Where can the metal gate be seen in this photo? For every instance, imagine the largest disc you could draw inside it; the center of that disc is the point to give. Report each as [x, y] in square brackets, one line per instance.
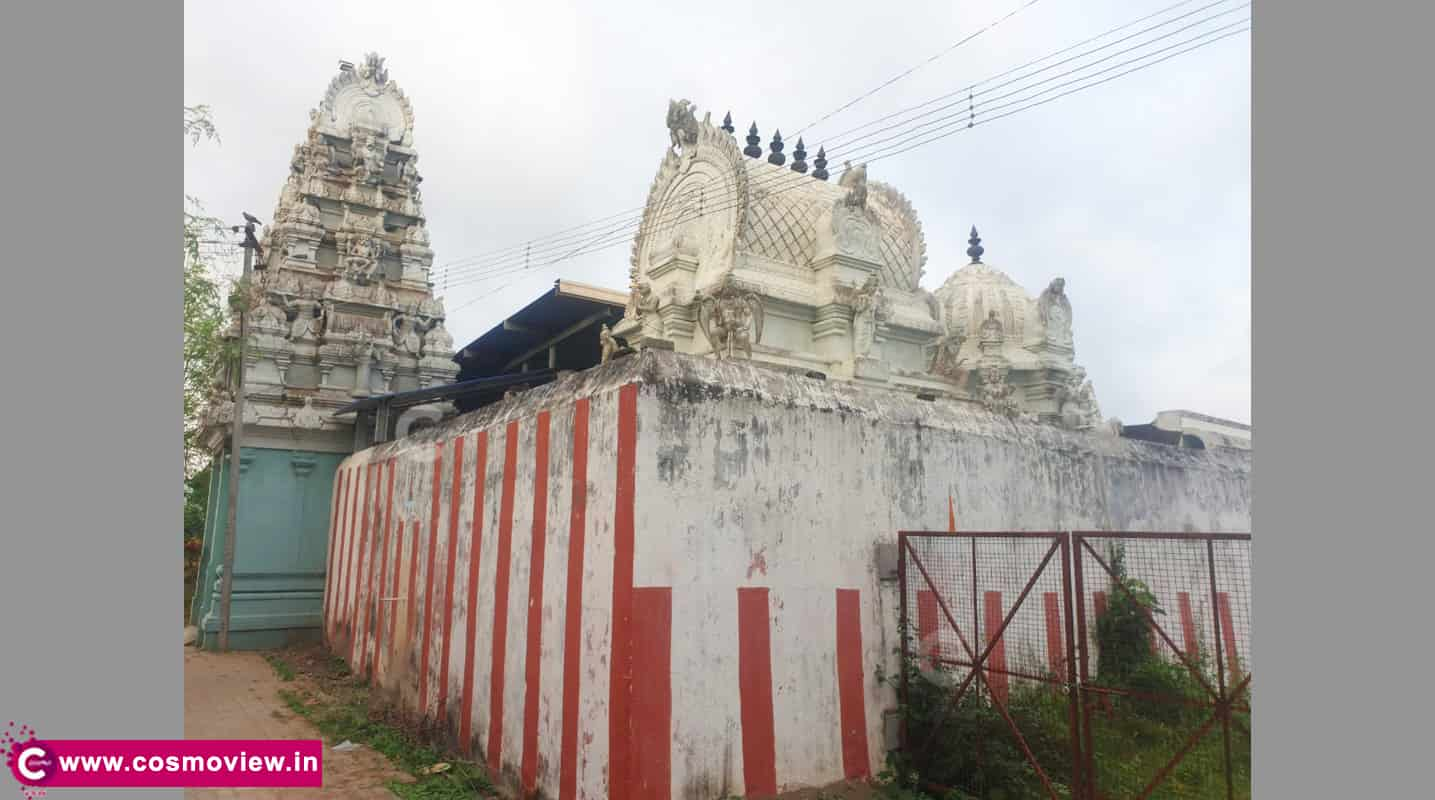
[1076, 665]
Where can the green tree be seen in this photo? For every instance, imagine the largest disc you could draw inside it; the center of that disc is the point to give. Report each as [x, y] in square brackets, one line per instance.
[204, 320]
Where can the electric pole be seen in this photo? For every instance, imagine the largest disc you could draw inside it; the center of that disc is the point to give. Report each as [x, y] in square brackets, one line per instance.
[236, 435]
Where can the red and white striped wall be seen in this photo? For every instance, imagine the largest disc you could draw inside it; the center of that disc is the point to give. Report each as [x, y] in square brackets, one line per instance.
[615, 588]
[499, 581]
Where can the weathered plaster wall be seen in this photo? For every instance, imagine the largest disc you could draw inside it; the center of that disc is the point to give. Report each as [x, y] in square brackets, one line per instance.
[720, 629]
[279, 576]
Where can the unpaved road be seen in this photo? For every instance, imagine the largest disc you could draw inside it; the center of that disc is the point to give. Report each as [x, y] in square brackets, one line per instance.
[236, 696]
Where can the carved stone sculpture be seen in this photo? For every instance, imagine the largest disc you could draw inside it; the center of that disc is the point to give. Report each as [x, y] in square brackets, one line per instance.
[268, 318]
[609, 344]
[996, 393]
[369, 152]
[307, 416]
[866, 310]
[731, 319]
[945, 361]
[991, 330]
[854, 180]
[308, 321]
[682, 124]
[361, 259]
[647, 307]
[1054, 310]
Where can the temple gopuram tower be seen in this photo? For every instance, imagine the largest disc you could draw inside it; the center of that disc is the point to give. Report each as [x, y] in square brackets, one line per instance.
[340, 307]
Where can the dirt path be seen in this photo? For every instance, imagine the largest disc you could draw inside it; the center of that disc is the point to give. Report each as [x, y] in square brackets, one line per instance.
[235, 696]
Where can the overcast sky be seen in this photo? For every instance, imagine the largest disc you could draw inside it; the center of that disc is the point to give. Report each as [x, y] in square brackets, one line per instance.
[532, 117]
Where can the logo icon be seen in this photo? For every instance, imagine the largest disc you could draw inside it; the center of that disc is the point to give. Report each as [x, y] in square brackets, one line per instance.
[30, 760]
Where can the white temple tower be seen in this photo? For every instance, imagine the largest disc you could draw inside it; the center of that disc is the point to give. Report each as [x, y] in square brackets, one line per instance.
[341, 307]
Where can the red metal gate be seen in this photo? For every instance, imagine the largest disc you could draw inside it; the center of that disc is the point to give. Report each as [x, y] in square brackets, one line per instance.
[1089, 691]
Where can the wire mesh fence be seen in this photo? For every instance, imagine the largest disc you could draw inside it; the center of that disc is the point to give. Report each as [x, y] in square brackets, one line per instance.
[1082, 665]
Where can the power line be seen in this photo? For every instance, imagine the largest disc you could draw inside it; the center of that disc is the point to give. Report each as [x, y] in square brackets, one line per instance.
[989, 26]
[971, 94]
[969, 116]
[916, 67]
[579, 232]
[1025, 104]
[1066, 49]
[502, 265]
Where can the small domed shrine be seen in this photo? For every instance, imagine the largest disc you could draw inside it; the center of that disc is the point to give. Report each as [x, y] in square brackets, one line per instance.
[741, 256]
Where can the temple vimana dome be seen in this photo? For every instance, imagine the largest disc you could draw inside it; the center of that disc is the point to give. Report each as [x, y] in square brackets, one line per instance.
[746, 252]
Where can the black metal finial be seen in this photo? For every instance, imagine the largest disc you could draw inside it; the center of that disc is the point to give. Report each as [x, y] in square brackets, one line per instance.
[820, 173]
[976, 249]
[777, 157]
[754, 143]
[727, 122]
[799, 157]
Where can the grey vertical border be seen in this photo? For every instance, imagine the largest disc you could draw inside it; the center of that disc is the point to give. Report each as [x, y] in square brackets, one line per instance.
[90, 576]
[1342, 218]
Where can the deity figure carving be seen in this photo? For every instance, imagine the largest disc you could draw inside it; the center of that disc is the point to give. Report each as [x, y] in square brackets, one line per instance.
[945, 361]
[406, 336]
[372, 75]
[648, 303]
[282, 281]
[1054, 309]
[608, 343]
[307, 417]
[306, 214]
[268, 318]
[996, 393]
[308, 319]
[219, 404]
[361, 259]
[867, 307]
[369, 151]
[991, 329]
[682, 124]
[854, 180]
[289, 196]
[731, 319]
[313, 178]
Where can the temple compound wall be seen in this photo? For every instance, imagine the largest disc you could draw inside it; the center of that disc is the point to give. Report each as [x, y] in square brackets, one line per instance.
[659, 577]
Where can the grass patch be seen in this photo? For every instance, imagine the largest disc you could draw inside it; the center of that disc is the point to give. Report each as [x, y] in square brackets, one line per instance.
[341, 709]
[281, 667]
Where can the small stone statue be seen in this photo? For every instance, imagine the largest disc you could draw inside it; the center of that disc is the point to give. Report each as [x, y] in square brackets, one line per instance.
[854, 180]
[731, 319]
[307, 417]
[608, 343]
[991, 330]
[866, 303]
[682, 124]
[1054, 309]
[944, 355]
[996, 393]
[648, 303]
